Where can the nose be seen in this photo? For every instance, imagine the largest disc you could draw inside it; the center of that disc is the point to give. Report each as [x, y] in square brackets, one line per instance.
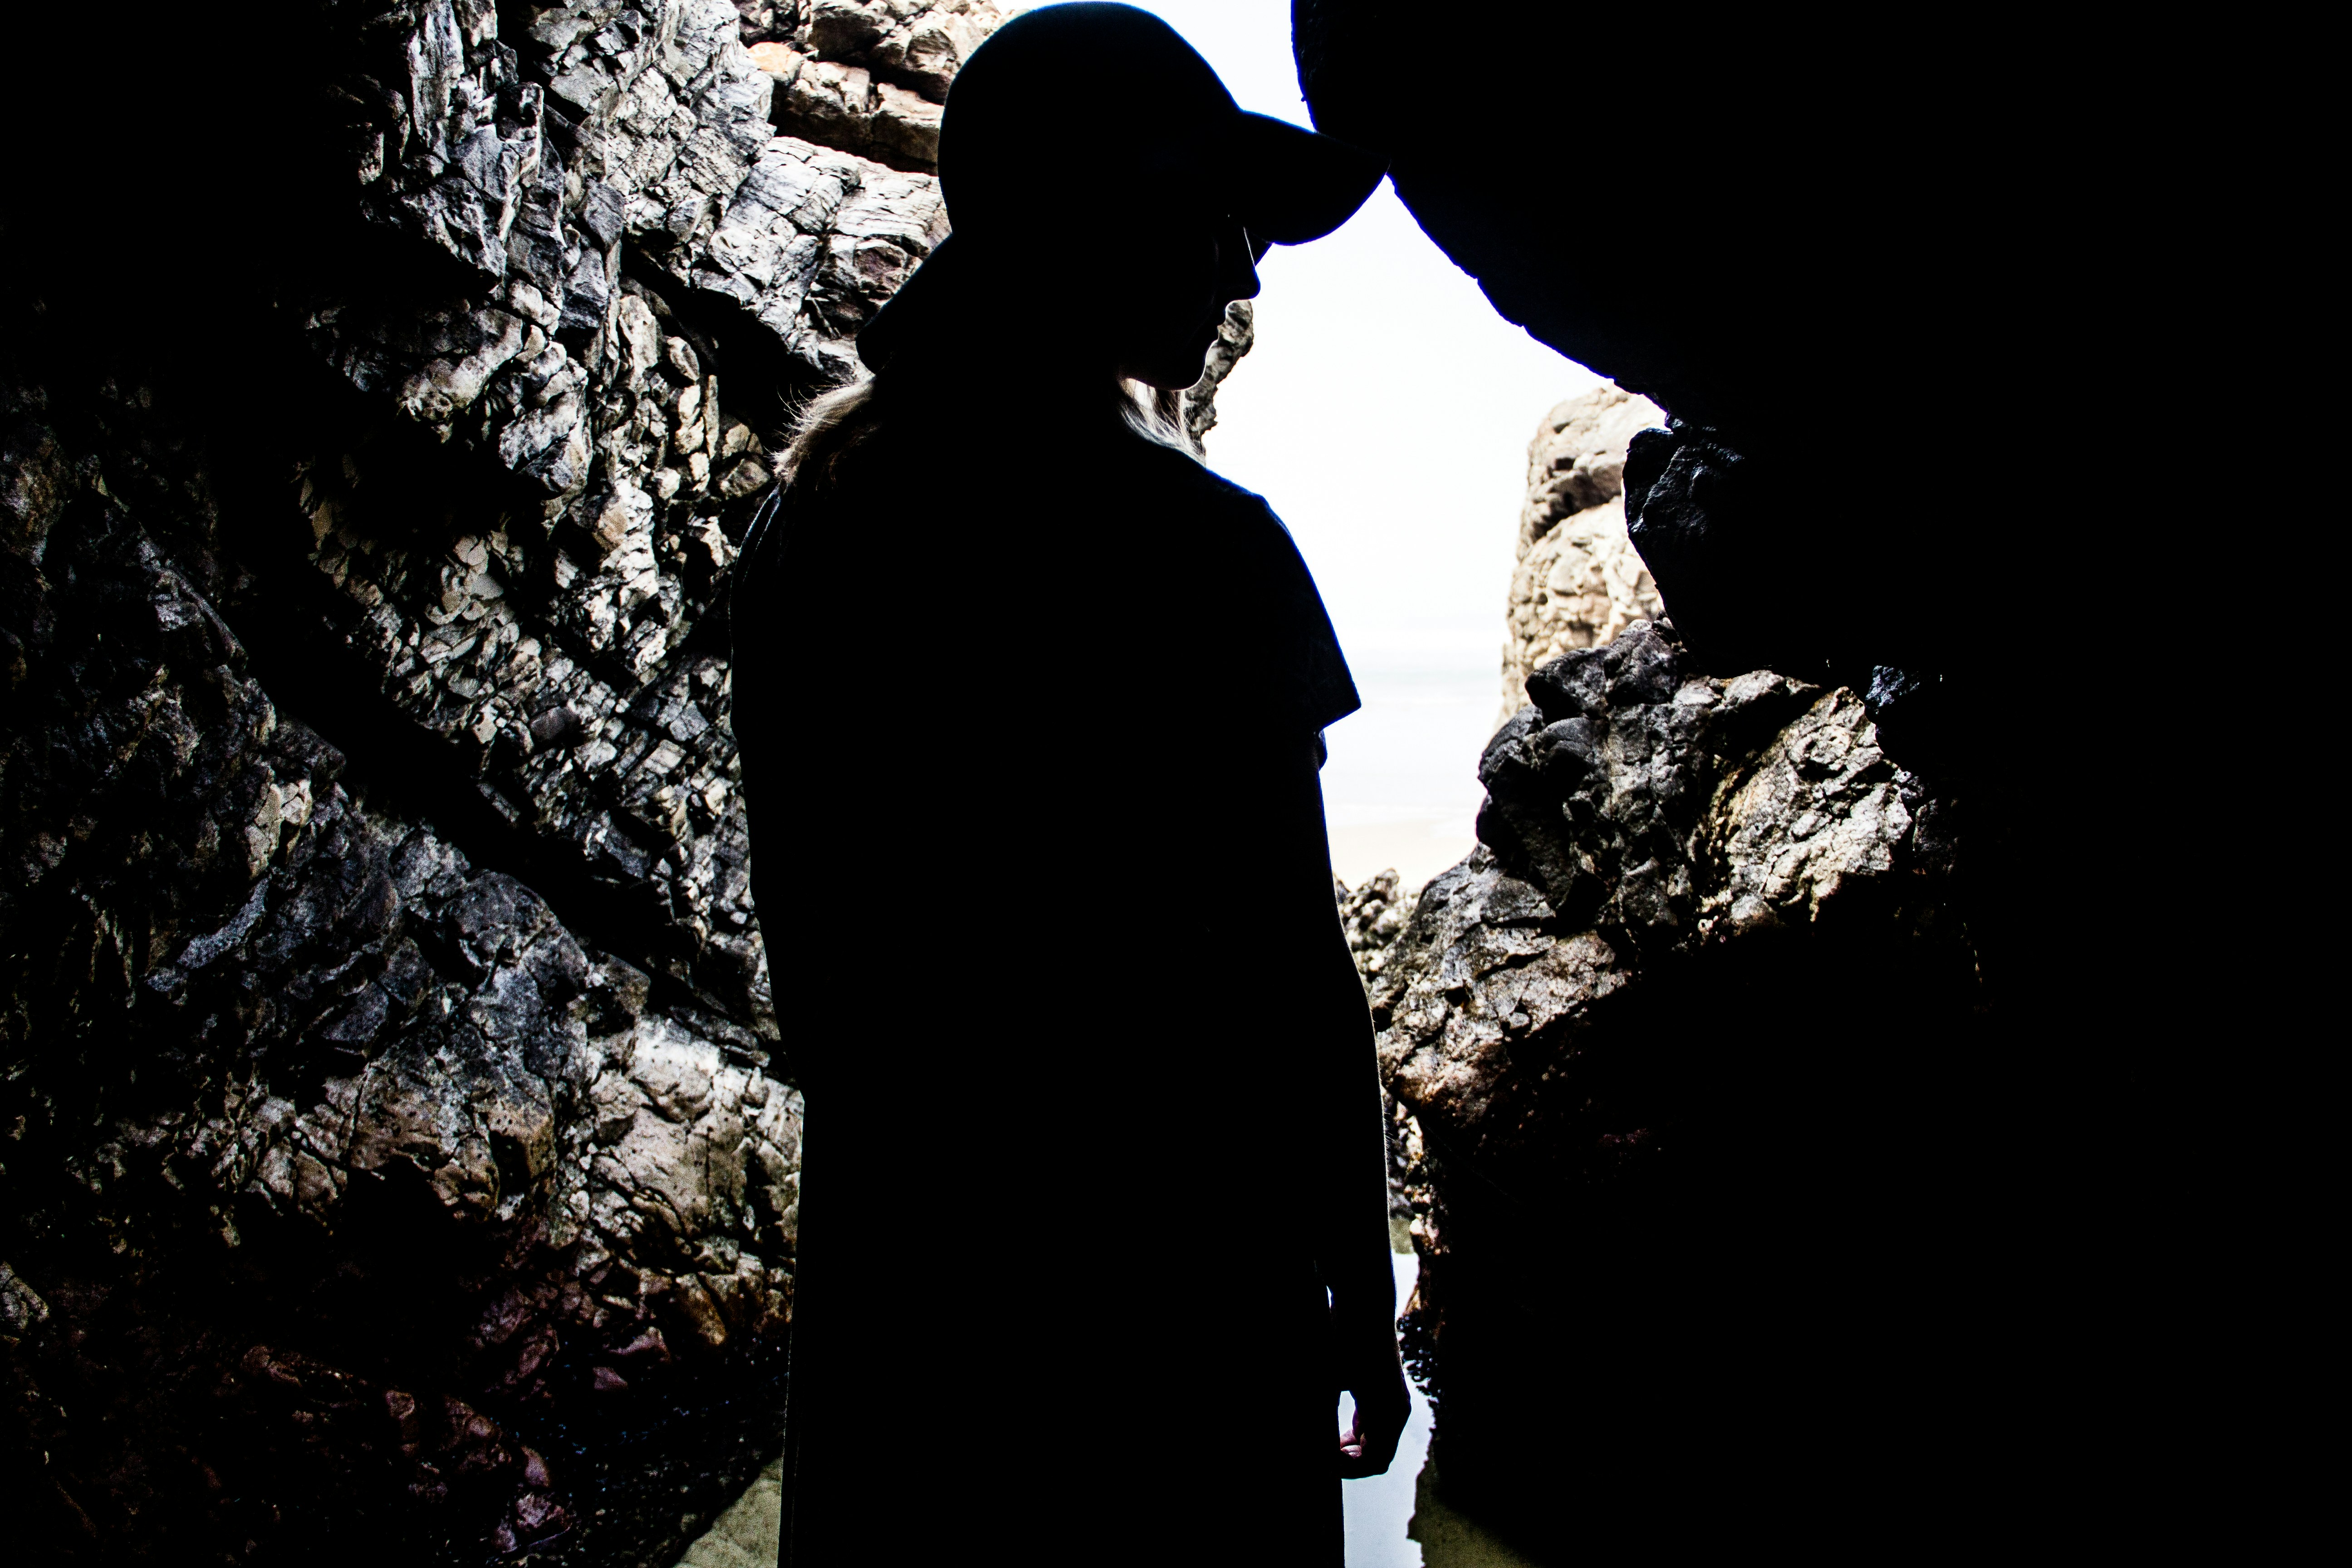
[1237, 255]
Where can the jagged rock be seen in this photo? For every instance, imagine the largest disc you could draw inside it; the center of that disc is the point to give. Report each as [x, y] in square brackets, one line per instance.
[1579, 581]
[812, 243]
[1235, 334]
[550, 638]
[870, 78]
[1841, 548]
[1635, 817]
[1605, 1036]
[1912, 277]
[344, 1182]
[765, 21]
[1371, 916]
[399, 1153]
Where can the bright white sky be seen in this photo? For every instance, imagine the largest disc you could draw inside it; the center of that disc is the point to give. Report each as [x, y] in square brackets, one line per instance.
[1385, 414]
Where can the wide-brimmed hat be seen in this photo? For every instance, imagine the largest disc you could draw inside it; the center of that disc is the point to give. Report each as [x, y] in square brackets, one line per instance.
[1068, 105]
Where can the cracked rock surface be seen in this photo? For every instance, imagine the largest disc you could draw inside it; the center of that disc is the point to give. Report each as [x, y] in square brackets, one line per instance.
[1579, 581]
[869, 76]
[1639, 1042]
[397, 1137]
[345, 1185]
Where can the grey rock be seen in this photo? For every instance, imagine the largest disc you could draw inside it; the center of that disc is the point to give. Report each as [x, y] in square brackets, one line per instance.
[252, 1021]
[586, 596]
[1373, 916]
[1640, 820]
[812, 243]
[1612, 1036]
[394, 1094]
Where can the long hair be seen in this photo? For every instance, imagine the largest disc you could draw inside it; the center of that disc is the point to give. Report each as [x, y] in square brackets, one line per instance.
[835, 422]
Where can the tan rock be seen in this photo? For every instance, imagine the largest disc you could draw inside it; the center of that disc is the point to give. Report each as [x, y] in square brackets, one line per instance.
[1579, 581]
[905, 128]
[780, 60]
[868, 76]
[748, 1535]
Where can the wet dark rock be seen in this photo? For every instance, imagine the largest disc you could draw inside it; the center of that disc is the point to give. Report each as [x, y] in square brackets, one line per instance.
[1900, 244]
[1703, 971]
[338, 1166]
[1373, 916]
[1838, 263]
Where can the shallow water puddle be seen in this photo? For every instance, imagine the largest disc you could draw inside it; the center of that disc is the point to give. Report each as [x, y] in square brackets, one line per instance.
[1378, 1508]
[1396, 1521]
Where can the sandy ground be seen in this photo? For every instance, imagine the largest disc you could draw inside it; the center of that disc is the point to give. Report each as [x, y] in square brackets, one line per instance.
[746, 1535]
[1416, 849]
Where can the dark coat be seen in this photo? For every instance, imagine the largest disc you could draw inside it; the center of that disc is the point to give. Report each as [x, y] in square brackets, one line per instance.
[1030, 738]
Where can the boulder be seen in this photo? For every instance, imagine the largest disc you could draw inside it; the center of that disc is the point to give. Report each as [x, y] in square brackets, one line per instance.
[1579, 581]
[1795, 195]
[1669, 1037]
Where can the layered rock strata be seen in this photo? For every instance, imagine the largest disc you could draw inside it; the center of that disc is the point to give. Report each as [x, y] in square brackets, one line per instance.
[1579, 581]
[868, 78]
[399, 1147]
[346, 1185]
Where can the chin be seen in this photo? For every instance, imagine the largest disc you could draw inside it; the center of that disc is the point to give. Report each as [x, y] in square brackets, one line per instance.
[1185, 371]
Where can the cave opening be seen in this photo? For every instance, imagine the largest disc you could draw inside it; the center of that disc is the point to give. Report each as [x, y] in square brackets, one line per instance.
[1801, 1058]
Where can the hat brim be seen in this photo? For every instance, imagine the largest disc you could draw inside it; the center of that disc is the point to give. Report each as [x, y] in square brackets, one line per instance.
[1291, 185]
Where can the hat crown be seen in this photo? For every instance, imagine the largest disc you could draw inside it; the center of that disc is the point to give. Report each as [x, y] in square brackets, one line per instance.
[1008, 140]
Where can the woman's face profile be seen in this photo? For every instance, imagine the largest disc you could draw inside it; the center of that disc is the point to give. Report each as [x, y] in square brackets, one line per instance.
[1170, 274]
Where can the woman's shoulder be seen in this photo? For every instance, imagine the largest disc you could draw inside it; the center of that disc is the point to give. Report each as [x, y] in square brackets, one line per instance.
[1215, 515]
[1186, 474]
[1254, 580]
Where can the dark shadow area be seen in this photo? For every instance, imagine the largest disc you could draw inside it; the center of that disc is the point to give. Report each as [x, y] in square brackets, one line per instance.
[1944, 230]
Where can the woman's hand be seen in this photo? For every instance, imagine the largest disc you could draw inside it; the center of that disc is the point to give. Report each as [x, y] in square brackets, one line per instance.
[1371, 1369]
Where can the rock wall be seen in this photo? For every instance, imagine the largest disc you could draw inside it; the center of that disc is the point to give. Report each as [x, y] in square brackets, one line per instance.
[1841, 551]
[1746, 266]
[397, 1138]
[345, 1182]
[1371, 916]
[1579, 581]
[1642, 1045]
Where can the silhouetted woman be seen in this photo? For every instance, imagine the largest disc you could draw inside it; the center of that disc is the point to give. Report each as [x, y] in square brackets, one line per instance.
[1094, 1218]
